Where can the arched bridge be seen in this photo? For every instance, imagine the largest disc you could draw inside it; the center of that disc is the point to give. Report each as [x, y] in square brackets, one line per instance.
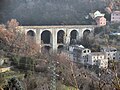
[56, 36]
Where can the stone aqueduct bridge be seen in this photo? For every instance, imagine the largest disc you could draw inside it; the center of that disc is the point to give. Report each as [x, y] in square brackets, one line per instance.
[56, 36]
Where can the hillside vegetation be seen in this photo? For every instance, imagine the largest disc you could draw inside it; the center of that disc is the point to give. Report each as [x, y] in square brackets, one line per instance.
[52, 12]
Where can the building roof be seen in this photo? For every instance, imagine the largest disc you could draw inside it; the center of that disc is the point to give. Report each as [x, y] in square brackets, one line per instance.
[97, 18]
[116, 12]
[97, 53]
[108, 49]
[79, 47]
[98, 14]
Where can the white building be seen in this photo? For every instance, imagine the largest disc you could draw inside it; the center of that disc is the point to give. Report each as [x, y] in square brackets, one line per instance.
[118, 55]
[79, 53]
[110, 52]
[115, 17]
[96, 14]
[98, 58]
[99, 18]
[85, 56]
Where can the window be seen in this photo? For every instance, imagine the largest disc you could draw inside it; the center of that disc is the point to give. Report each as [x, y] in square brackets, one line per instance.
[113, 58]
[114, 50]
[114, 54]
[74, 58]
[84, 51]
[87, 60]
[88, 50]
[97, 57]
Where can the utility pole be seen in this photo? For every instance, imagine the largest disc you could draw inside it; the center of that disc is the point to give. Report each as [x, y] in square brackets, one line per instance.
[53, 76]
[52, 68]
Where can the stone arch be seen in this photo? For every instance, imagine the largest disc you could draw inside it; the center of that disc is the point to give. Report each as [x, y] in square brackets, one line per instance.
[60, 36]
[46, 49]
[46, 37]
[60, 48]
[31, 34]
[86, 32]
[74, 36]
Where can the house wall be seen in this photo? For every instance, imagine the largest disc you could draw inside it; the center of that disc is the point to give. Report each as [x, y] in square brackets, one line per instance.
[115, 17]
[95, 59]
[101, 21]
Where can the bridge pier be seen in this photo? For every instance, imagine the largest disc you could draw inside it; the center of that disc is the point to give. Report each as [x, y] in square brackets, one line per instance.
[38, 37]
[67, 42]
[54, 41]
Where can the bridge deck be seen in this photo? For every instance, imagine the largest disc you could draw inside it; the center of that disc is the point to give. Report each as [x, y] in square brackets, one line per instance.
[60, 26]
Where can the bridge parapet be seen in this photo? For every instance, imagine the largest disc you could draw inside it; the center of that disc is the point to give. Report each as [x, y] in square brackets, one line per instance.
[59, 26]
